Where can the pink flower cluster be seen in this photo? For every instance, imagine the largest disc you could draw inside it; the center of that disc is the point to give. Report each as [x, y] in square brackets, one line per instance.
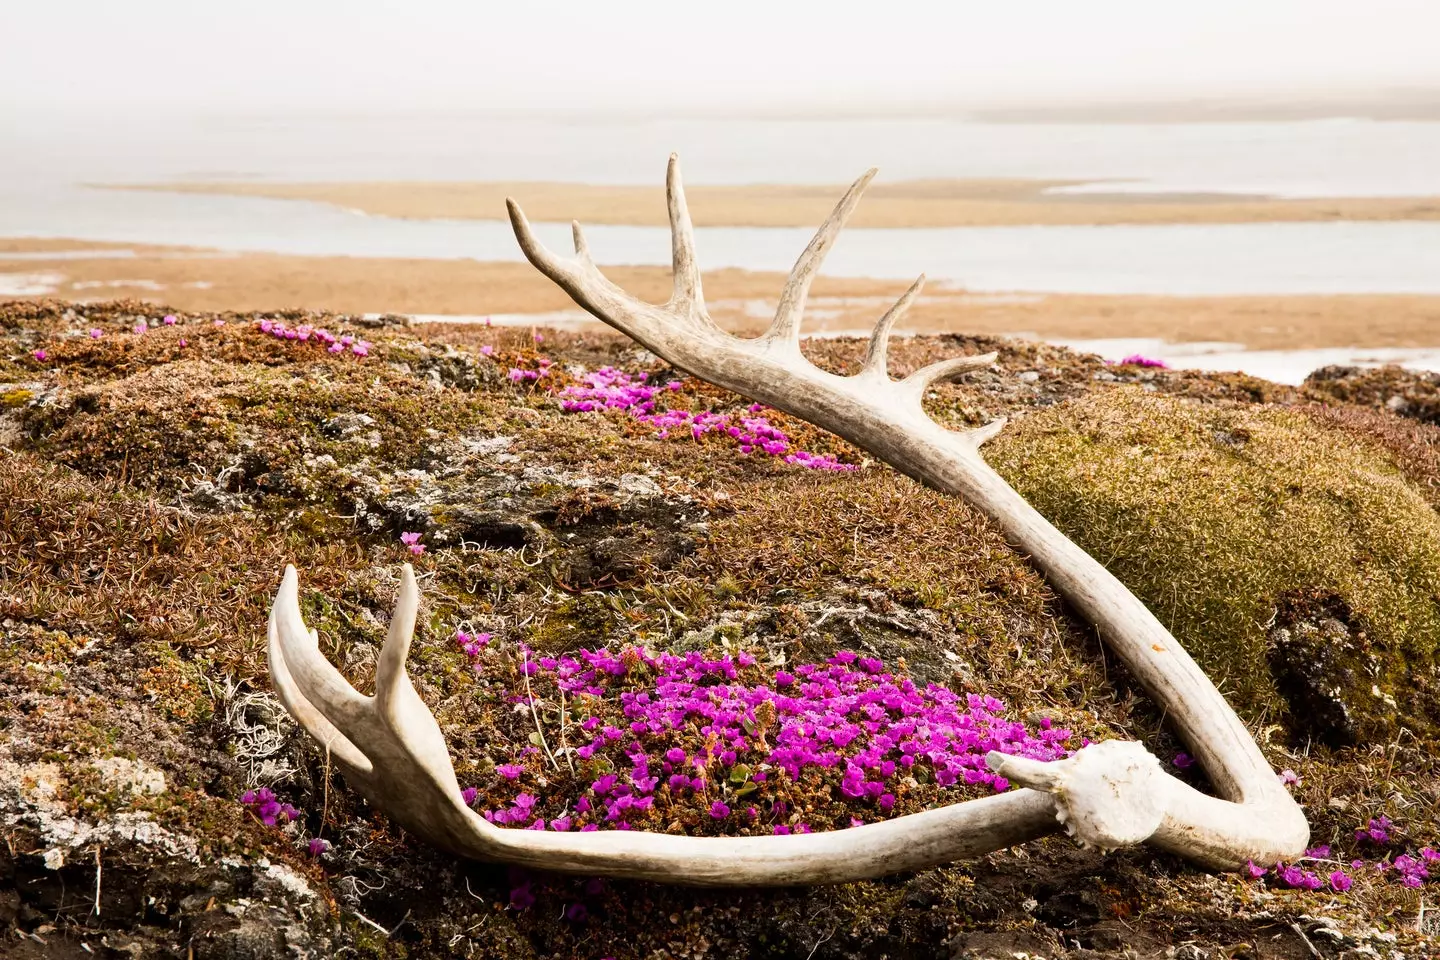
[308, 334]
[712, 731]
[472, 643]
[412, 541]
[1411, 871]
[611, 389]
[521, 375]
[1140, 360]
[263, 804]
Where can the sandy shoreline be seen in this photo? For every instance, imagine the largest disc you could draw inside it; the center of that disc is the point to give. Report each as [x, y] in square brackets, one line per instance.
[918, 203]
[741, 300]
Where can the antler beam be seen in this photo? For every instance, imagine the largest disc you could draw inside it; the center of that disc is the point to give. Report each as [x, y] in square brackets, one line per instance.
[1108, 795]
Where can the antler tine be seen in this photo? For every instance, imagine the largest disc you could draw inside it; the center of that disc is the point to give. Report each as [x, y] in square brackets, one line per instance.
[876, 355]
[582, 248]
[687, 295]
[980, 435]
[315, 694]
[390, 676]
[785, 328]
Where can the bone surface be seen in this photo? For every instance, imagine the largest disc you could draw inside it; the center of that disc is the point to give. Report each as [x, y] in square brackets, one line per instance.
[1106, 795]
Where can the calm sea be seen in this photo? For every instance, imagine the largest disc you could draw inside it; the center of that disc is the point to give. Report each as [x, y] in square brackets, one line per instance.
[47, 161]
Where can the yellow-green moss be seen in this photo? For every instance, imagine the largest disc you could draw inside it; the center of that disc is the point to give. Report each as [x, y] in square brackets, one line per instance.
[1213, 514]
[10, 399]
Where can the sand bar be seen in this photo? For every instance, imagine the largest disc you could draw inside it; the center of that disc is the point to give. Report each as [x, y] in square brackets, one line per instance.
[738, 299]
[916, 203]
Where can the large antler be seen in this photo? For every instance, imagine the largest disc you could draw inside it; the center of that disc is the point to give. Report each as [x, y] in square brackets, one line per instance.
[1108, 795]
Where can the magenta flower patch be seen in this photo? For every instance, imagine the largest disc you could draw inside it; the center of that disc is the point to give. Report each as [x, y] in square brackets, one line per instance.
[611, 389]
[713, 735]
[267, 808]
[319, 336]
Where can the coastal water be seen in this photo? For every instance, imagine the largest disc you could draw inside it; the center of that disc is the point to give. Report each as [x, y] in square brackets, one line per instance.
[47, 161]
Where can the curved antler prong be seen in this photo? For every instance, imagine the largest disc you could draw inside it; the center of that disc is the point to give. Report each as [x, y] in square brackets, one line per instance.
[921, 380]
[577, 236]
[390, 675]
[687, 295]
[876, 362]
[785, 328]
[979, 436]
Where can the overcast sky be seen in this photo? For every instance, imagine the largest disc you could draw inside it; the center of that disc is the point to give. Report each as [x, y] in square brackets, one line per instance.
[638, 54]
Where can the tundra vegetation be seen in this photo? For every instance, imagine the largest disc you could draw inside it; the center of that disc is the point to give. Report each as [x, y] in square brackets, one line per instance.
[601, 538]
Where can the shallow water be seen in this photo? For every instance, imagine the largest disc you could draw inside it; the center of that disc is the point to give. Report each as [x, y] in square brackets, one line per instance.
[1229, 259]
[45, 158]
[1279, 366]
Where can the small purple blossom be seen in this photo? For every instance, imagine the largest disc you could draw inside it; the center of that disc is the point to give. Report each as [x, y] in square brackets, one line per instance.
[270, 811]
[1377, 831]
[1139, 360]
[316, 847]
[1183, 761]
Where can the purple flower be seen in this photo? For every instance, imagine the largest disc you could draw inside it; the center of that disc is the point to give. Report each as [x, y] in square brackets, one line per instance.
[96, 333]
[317, 846]
[1183, 761]
[521, 898]
[468, 795]
[170, 320]
[576, 913]
[1340, 881]
[41, 355]
[1378, 831]
[1138, 360]
[1290, 778]
[510, 771]
[719, 811]
[1253, 871]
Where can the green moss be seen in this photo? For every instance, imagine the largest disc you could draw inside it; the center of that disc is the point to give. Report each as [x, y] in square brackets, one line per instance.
[1222, 518]
[18, 397]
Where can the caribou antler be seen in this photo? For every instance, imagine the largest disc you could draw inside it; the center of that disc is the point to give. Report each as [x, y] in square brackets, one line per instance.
[1108, 795]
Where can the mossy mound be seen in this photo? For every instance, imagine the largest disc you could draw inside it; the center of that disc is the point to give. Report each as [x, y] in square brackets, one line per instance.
[1295, 562]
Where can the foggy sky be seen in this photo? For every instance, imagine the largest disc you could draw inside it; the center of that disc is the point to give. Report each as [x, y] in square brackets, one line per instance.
[741, 54]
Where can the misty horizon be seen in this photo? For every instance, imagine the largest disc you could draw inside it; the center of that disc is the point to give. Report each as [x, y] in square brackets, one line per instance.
[750, 58]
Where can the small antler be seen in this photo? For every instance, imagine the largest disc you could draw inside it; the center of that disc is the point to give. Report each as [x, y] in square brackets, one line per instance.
[1109, 794]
